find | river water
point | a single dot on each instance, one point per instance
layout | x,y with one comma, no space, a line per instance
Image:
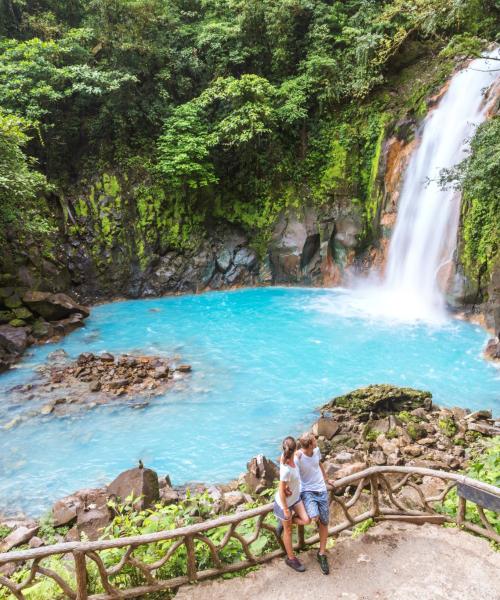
262,359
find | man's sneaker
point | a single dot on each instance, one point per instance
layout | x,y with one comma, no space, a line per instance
295,564
323,563
279,528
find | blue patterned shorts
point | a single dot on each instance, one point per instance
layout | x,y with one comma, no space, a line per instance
317,505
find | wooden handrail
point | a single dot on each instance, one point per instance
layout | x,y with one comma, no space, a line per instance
384,506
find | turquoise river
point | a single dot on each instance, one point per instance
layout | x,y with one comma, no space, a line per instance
262,360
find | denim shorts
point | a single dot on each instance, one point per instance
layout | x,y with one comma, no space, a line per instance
317,505
278,511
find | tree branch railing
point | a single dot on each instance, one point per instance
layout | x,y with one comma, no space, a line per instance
374,493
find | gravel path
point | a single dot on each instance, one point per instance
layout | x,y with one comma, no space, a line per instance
391,561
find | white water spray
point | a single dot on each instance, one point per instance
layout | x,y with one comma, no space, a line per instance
424,237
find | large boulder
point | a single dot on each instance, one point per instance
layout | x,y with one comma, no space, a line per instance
13,342
13,339
261,474
53,307
141,483
380,399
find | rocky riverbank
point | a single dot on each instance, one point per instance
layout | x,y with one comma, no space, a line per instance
29,317
67,387
376,425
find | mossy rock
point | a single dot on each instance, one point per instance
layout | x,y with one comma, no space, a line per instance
23,313
381,399
41,328
17,323
6,316
13,301
5,292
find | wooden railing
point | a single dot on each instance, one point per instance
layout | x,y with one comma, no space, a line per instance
377,488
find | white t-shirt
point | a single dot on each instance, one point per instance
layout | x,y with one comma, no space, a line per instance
292,478
311,477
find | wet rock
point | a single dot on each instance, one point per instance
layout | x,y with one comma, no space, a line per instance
95,386
53,307
41,329
141,483
184,368
106,357
19,536
261,474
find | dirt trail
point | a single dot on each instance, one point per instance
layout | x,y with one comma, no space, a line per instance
391,561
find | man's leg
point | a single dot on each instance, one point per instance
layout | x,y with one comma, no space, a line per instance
323,536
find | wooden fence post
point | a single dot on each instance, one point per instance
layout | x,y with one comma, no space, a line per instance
375,498
302,537
81,575
191,558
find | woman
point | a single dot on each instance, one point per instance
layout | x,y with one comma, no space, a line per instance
288,507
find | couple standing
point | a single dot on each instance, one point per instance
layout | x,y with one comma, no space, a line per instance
302,496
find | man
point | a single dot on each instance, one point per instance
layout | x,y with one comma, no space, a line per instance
314,494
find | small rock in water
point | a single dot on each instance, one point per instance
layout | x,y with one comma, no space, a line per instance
47,409
95,386
184,368
107,357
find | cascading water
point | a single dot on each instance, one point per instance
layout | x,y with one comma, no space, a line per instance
424,237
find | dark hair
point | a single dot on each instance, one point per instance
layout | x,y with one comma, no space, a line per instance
289,446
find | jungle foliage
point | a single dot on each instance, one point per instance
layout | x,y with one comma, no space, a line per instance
232,108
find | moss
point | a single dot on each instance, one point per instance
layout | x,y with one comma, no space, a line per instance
448,426
415,431
381,398
17,323
391,434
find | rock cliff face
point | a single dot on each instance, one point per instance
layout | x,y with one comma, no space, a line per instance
117,236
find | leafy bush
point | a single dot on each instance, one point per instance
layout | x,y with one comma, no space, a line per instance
485,467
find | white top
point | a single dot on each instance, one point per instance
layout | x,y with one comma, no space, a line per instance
292,477
311,477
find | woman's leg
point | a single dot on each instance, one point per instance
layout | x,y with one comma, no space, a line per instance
300,517
287,538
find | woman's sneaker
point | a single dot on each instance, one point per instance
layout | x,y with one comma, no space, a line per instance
323,563
295,564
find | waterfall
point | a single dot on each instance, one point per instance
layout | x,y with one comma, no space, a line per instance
424,237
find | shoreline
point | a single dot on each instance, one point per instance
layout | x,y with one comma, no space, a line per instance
326,437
